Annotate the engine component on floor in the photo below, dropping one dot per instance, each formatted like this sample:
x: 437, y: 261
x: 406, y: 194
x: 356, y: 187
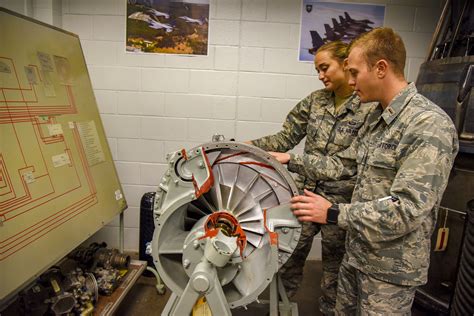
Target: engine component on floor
x: 85, y: 255
x: 98, y: 255
x: 223, y: 225
x: 58, y: 294
x: 107, y: 258
x: 104, y: 263
x: 32, y: 300
x: 107, y: 279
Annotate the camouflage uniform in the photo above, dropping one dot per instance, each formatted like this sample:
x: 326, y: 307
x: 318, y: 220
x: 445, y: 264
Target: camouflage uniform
x: 375, y: 297
x: 404, y: 156
x: 327, y: 133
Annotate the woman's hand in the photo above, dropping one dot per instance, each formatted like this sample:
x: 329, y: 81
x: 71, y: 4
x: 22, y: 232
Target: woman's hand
x: 283, y: 158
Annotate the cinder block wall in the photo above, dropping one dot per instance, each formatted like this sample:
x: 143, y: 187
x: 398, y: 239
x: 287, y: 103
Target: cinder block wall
x: 154, y: 104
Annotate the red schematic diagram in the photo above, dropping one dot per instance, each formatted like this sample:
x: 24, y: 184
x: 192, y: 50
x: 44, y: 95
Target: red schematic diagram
x: 58, y: 183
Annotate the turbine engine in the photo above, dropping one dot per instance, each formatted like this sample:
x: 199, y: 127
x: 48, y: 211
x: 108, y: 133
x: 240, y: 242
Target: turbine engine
x: 223, y: 225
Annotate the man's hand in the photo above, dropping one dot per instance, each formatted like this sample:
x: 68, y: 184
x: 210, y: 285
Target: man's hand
x: 310, y: 207
x: 283, y: 158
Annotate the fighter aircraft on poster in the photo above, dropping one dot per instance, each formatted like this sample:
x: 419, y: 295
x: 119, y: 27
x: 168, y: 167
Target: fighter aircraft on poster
x: 187, y: 19
x: 168, y: 26
x: 345, y: 30
x: 152, y: 23
x: 158, y: 13
x: 323, y: 21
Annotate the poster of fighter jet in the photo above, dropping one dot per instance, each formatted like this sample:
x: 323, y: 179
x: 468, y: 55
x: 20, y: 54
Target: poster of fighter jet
x: 323, y: 22
x: 168, y: 26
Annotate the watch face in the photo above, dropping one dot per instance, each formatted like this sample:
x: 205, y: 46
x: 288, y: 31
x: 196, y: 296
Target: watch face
x: 333, y: 214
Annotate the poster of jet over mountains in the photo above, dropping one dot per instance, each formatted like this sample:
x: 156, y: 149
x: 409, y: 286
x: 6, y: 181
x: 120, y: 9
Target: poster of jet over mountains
x: 323, y: 22
x: 168, y: 26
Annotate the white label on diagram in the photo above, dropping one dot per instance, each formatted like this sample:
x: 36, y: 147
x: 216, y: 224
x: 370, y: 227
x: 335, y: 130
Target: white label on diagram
x: 61, y: 160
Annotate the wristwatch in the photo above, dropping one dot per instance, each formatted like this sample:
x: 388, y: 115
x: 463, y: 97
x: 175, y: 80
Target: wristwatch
x: 333, y: 214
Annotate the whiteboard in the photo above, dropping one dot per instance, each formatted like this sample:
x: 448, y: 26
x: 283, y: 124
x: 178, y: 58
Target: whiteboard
x: 58, y: 183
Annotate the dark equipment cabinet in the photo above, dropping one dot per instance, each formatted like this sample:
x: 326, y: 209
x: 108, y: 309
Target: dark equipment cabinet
x: 446, y: 78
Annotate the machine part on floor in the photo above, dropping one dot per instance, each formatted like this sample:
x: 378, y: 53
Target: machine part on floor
x: 104, y: 263
x: 463, y: 303
x: 32, y: 300
x: 223, y: 225
x: 98, y: 255
x: 60, y: 294
x: 62, y: 303
x: 85, y: 255
x: 111, y: 258
x: 107, y: 279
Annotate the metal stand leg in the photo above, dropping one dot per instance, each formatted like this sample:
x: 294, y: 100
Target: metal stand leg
x: 170, y: 305
x: 279, y: 303
x: 274, y: 296
x: 185, y: 303
x: 285, y: 306
x: 160, y: 286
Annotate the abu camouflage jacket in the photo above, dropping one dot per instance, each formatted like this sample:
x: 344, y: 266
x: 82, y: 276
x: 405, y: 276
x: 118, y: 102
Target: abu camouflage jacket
x: 326, y: 134
x: 404, y: 157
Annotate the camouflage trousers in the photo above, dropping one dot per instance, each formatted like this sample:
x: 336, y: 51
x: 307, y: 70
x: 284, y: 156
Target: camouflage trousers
x: 333, y: 241
x: 360, y: 294
x: 291, y: 272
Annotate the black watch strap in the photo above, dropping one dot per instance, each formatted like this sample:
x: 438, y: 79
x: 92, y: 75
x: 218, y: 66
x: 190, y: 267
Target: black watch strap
x: 333, y: 214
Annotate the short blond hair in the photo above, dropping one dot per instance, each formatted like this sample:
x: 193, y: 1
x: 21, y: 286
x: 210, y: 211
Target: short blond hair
x: 382, y: 43
x: 337, y: 49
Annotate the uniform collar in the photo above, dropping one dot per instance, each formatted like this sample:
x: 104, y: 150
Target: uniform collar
x: 398, y: 103
x: 351, y: 104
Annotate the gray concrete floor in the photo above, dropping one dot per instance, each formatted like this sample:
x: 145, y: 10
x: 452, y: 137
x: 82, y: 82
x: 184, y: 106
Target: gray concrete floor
x: 144, y: 300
